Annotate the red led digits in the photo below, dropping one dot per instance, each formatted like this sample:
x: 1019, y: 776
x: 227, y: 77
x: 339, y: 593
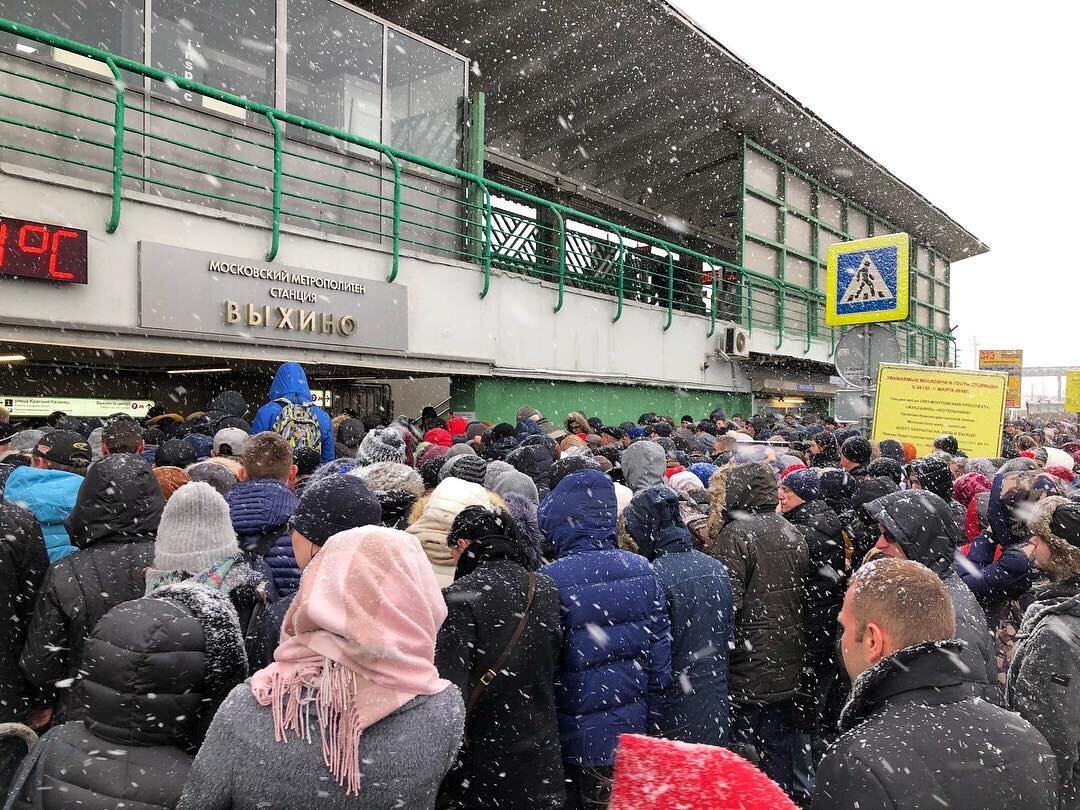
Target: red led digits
x: 40, y: 250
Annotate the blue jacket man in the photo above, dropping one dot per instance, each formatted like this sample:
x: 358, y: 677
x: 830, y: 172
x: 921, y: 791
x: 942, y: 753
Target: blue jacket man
x: 616, y: 640
x: 50, y: 496
x: 701, y: 609
x: 260, y: 512
x: 291, y: 383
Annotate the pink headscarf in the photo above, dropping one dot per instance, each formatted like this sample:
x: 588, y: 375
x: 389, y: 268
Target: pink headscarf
x: 358, y: 643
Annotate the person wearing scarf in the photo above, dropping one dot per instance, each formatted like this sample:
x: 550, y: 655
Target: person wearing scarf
x: 356, y: 669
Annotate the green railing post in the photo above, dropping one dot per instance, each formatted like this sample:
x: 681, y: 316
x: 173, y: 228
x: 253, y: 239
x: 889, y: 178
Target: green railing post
x: 809, y: 323
x: 712, y: 307
x: 487, y: 241
x: 562, y: 255
x: 780, y: 300
x: 622, y: 268
x: 397, y: 217
x: 670, y: 290
x: 275, y: 232
x: 119, y: 107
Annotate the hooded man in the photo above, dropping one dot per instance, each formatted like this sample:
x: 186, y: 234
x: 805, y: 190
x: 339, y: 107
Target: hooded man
x: 290, y: 388
x: 643, y: 465
x: 699, y: 603
x: 113, y: 524
x: 918, y: 525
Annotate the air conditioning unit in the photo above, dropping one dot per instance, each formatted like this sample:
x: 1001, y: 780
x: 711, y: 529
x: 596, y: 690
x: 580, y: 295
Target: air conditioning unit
x: 733, y: 340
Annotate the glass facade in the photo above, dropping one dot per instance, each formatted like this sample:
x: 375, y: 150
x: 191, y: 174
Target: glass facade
x: 341, y: 66
x: 789, y: 222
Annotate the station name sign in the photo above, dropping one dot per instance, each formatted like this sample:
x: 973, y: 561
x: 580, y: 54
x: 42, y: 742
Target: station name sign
x: 212, y: 294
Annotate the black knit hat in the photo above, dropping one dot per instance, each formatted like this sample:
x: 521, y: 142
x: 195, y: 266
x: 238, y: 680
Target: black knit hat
x: 891, y: 448
x: 1065, y: 523
x: 570, y: 464
x: 430, y: 470
x: 466, y: 467
x: 175, y: 453
x: 856, y: 449
x: 333, y: 504
x: 503, y: 430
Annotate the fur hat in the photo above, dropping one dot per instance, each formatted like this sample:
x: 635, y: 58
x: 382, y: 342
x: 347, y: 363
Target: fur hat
x: 382, y: 444
x: 387, y: 476
x: 1056, y: 521
x: 195, y: 530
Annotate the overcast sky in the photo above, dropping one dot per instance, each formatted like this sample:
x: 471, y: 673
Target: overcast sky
x: 965, y: 102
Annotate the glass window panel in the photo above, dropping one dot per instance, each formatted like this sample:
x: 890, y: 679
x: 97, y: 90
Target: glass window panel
x: 923, y: 260
x: 880, y: 228
x: 924, y: 316
x: 941, y: 321
x: 822, y: 273
x: 922, y: 288
x: 798, y: 194
x: 222, y: 43
x: 829, y: 210
x: 799, y: 234
x: 761, y: 173
x: 335, y: 67
x: 826, y: 238
x: 426, y: 92
x: 762, y: 258
x: 858, y: 223
x: 797, y: 271
x: 941, y: 296
x: 761, y: 218
x: 113, y: 25
x: 941, y: 268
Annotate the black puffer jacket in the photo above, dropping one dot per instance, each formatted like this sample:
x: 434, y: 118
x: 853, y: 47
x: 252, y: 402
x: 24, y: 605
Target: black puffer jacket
x: 23, y: 561
x: 113, y: 523
x: 156, y: 670
x: 915, y: 736
x: 513, y: 758
x: 825, y: 581
x: 767, y: 561
x: 922, y: 524
x: 536, y: 462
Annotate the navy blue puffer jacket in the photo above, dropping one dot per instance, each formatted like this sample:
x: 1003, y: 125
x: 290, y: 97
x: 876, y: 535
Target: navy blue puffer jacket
x: 702, y: 612
x: 616, y: 660
x: 260, y: 512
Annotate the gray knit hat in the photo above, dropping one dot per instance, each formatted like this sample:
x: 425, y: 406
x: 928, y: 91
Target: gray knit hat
x: 461, y: 449
x: 382, y: 444
x: 467, y: 468
x: 494, y: 470
x: 512, y: 482
x: 389, y: 476
x: 195, y: 530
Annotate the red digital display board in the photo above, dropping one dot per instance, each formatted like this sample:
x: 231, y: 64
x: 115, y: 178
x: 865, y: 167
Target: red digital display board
x: 39, y: 250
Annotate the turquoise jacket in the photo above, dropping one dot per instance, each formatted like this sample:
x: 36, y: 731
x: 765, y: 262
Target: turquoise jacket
x: 50, y: 496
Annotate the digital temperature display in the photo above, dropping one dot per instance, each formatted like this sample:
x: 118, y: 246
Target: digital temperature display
x: 39, y: 250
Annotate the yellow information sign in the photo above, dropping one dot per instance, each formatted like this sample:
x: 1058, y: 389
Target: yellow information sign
x: 1072, y: 392
x: 917, y: 404
x: 1011, y: 361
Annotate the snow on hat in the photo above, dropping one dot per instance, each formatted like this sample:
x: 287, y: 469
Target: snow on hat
x: 334, y: 504
x: 512, y: 482
x: 460, y: 449
x: 175, y: 453
x: 968, y: 485
x: 891, y: 448
x: 25, y: 440
x: 856, y: 449
x: 387, y: 476
x: 232, y: 440
x: 195, y: 531
x: 494, y: 470
x: 703, y: 471
x: 804, y: 483
x: 218, y: 476
x: 170, y: 479
x: 467, y: 468
x: 382, y: 444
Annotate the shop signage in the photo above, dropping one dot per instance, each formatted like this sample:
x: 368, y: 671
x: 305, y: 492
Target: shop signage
x: 39, y: 250
x: 213, y: 294
x: 74, y: 406
x: 917, y: 404
x: 1072, y: 392
x: 1011, y: 361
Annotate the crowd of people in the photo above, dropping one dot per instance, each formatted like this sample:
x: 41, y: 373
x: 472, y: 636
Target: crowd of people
x: 206, y: 612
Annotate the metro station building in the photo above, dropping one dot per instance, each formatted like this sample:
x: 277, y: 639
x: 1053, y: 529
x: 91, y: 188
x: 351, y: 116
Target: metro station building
x: 477, y: 205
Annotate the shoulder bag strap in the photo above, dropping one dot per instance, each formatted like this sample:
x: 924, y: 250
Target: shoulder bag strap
x: 500, y: 662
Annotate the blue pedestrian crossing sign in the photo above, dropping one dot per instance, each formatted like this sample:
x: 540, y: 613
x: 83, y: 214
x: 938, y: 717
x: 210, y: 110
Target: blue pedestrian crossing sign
x: 867, y: 281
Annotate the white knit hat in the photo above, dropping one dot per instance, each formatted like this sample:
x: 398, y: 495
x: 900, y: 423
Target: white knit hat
x: 382, y: 444
x: 195, y: 530
x: 388, y: 476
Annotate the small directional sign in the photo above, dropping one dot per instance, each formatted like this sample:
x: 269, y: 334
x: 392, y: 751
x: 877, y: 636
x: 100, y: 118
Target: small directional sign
x: 867, y: 281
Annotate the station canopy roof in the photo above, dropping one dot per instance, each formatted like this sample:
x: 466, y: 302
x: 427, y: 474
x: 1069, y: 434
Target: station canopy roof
x: 632, y: 105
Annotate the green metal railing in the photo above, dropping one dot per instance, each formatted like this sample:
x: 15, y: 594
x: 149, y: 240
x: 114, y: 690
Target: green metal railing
x: 289, y: 170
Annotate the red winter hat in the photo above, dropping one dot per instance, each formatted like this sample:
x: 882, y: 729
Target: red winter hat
x: 657, y: 774
x: 440, y: 437
x: 1068, y: 476
x: 457, y: 426
x: 968, y: 485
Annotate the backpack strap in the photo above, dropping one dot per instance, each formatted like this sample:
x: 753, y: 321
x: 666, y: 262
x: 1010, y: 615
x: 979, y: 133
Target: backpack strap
x: 500, y: 662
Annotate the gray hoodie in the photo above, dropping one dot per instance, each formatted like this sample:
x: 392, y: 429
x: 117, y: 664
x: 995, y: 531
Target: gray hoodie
x: 1044, y: 679
x: 643, y: 465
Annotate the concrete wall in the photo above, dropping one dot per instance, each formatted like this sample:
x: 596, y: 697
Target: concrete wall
x: 513, y: 332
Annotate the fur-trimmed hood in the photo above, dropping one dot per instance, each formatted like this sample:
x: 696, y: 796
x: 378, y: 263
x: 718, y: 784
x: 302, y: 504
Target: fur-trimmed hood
x: 749, y: 487
x: 1065, y: 557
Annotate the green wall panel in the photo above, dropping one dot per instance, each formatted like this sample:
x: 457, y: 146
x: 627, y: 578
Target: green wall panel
x: 496, y: 399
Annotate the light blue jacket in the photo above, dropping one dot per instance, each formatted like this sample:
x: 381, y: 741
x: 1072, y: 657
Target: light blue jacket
x: 50, y: 496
